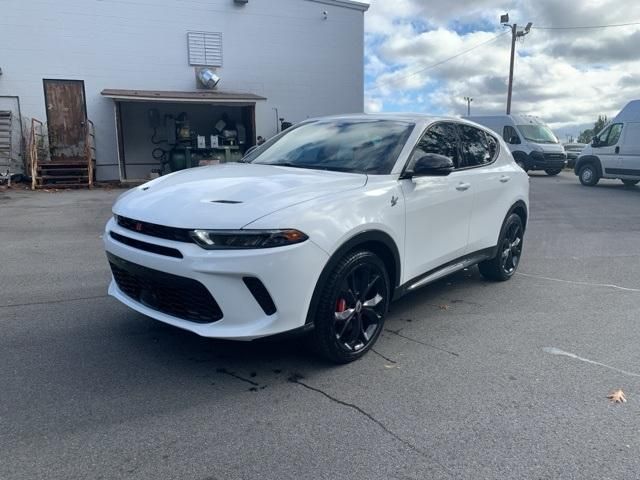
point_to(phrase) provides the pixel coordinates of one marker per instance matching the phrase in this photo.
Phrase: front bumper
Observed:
(546, 161)
(289, 274)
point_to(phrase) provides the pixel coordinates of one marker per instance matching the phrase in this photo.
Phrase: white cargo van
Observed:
(533, 144)
(615, 151)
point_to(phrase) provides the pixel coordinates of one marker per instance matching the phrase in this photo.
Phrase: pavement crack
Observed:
(584, 284)
(49, 302)
(383, 356)
(297, 379)
(557, 351)
(397, 332)
(235, 375)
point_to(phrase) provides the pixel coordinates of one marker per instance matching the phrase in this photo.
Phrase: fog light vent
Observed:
(260, 293)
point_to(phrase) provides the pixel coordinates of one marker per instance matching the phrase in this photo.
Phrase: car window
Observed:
(614, 135)
(345, 145)
(441, 139)
(475, 147)
(508, 133)
(492, 144)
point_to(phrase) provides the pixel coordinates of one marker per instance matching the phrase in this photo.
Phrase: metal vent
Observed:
(205, 49)
(5, 139)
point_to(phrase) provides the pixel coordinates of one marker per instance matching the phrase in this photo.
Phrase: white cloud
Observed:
(567, 77)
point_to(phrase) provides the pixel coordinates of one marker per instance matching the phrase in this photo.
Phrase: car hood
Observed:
(229, 196)
(550, 147)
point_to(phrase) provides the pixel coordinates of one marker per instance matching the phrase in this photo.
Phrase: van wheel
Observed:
(352, 307)
(553, 172)
(630, 183)
(588, 175)
(505, 263)
(521, 164)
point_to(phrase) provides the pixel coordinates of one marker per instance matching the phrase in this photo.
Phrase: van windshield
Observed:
(538, 133)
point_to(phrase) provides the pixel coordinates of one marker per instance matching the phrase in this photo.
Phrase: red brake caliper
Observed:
(341, 305)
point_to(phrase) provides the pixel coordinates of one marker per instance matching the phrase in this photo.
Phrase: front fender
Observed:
(584, 159)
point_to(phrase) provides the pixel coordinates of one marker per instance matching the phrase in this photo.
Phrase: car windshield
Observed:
(538, 133)
(356, 146)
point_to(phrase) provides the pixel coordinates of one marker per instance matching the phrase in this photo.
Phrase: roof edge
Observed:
(352, 4)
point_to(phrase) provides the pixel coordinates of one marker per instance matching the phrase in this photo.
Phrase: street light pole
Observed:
(469, 100)
(514, 34)
(504, 19)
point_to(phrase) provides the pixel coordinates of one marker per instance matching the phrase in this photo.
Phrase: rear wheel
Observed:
(505, 263)
(630, 183)
(588, 175)
(352, 307)
(553, 171)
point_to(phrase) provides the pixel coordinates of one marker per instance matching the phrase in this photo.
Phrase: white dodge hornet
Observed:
(320, 228)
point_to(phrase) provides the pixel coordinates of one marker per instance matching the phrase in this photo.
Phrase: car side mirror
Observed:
(595, 142)
(432, 164)
(514, 140)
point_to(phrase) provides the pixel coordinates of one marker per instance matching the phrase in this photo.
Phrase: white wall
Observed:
(281, 49)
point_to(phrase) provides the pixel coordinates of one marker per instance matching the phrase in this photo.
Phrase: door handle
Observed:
(617, 149)
(463, 186)
(505, 178)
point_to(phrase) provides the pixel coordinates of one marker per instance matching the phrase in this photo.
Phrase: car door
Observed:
(493, 188)
(606, 148)
(438, 207)
(629, 157)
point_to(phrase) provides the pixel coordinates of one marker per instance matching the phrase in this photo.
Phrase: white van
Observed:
(533, 144)
(615, 151)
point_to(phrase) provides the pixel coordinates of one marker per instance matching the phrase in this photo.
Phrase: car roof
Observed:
(422, 118)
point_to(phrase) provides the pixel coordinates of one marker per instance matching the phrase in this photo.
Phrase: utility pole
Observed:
(515, 34)
(468, 100)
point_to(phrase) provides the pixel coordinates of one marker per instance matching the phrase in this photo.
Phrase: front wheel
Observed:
(630, 183)
(352, 307)
(588, 175)
(521, 164)
(553, 171)
(505, 263)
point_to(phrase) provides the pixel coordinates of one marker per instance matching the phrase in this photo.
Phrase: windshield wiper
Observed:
(313, 167)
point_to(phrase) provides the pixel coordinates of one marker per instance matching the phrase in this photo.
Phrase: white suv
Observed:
(319, 228)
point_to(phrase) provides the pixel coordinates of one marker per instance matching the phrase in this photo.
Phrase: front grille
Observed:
(555, 156)
(147, 247)
(179, 297)
(154, 230)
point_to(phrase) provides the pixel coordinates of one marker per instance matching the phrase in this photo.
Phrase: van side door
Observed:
(629, 157)
(606, 147)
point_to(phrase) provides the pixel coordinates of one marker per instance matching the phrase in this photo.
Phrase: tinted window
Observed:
(493, 145)
(475, 147)
(441, 139)
(359, 146)
(510, 133)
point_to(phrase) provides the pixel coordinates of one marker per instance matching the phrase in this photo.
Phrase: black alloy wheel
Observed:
(354, 302)
(509, 251)
(630, 183)
(553, 171)
(511, 248)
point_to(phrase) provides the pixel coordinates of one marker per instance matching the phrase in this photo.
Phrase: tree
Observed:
(587, 135)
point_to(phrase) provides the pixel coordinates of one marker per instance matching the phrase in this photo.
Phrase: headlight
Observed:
(240, 239)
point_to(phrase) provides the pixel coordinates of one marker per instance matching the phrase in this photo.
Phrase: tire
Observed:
(630, 183)
(521, 164)
(588, 175)
(503, 266)
(348, 322)
(553, 171)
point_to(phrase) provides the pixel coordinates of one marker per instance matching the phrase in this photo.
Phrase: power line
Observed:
(437, 64)
(584, 27)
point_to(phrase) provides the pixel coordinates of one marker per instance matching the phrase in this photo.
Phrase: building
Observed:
(130, 69)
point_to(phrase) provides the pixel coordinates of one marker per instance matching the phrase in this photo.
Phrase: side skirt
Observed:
(444, 270)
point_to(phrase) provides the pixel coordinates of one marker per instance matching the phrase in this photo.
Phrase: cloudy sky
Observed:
(567, 77)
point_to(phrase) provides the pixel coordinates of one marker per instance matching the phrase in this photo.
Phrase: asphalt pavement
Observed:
(470, 380)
